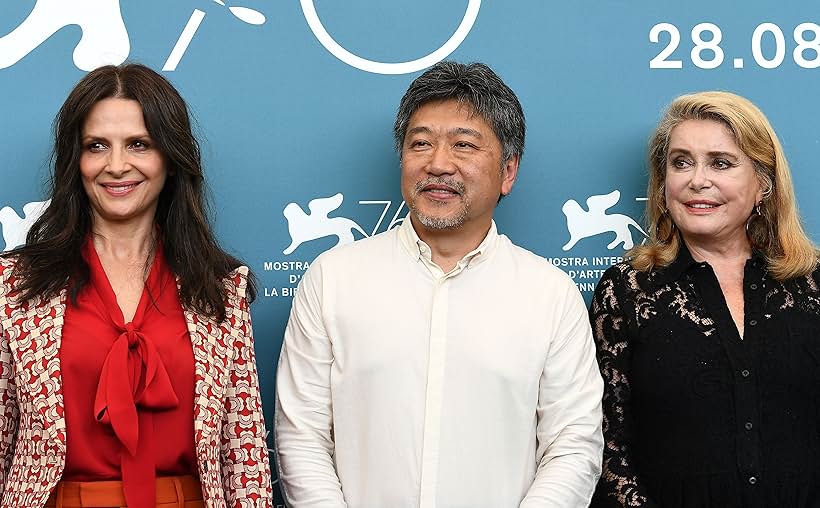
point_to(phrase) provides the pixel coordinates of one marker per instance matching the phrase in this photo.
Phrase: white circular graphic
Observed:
(358, 62)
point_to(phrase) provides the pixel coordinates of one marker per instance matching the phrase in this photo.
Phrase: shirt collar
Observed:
(677, 268)
(684, 261)
(419, 250)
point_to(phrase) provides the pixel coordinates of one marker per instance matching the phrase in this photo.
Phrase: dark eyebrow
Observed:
(418, 130)
(466, 131)
(90, 137)
(455, 131)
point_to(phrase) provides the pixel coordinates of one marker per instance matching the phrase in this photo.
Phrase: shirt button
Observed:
(752, 480)
(748, 426)
(745, 373)
(753, 322)
(753, 286)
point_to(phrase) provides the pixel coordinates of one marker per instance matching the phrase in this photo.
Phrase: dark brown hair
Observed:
(52, 260)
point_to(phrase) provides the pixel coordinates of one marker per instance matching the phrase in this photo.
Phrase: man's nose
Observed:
(442, 162)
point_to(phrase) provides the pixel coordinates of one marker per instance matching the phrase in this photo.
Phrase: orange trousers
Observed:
(172, 492)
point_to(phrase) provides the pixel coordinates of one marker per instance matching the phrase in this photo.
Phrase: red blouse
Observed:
(128, 388)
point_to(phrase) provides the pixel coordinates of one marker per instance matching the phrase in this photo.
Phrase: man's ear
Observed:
(509, 172)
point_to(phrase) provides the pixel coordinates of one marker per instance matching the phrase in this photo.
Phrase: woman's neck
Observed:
(125, 243)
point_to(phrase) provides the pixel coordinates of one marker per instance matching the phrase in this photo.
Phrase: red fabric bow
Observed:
(132, 375)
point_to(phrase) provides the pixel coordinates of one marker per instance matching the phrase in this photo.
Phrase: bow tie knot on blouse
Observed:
(133, 340)
(133, 374)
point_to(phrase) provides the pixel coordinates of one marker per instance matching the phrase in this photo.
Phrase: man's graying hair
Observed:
(474, 84)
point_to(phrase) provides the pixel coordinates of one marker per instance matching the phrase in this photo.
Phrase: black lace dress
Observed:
(695, 416)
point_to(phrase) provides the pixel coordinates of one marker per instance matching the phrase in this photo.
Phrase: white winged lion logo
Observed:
(306, 227)
(584, 224)
(15, 228)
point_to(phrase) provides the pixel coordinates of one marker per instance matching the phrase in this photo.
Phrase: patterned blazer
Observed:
(229, 429)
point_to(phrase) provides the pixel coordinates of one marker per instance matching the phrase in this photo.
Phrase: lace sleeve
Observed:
(619, 485)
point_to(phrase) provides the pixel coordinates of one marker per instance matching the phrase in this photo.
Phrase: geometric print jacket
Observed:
(229, 429)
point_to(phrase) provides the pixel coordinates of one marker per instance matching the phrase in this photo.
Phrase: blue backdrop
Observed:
(295, 101)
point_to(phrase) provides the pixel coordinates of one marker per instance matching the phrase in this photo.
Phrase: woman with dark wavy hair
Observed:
(127, 371)
(709, 334)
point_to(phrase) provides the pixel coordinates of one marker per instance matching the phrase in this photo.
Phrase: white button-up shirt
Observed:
(400, 385)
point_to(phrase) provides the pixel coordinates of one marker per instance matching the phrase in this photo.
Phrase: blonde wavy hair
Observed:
(778, 233)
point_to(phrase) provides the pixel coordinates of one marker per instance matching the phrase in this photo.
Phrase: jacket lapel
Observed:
(37, 347)
(209, 372)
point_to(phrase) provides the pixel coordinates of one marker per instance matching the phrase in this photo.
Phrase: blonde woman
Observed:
(709, 336)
